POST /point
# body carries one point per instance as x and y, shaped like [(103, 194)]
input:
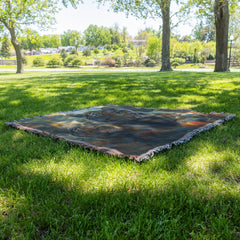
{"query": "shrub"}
[(86, 52), (96, 50), (73, 61), (118, 52), (109, 48), (126, 59), (74, 51), (138, 62), (211, 57), (115, 46), (54, 62), (150, 62), (178, 60), (175, 64), (203, 59), (97, 62), (125, 50), (68, 60), (63, 54), (109, 61), (131, 46), (119, 60), (38, 62), (105, 52), (76, 62)]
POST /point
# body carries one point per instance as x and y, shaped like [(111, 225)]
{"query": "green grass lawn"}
[(52, 190)]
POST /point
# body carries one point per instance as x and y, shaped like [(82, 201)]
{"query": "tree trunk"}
[(165, 8), (17, 48), (221, 12)]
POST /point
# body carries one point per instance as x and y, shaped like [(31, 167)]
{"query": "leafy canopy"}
[(21, 13)]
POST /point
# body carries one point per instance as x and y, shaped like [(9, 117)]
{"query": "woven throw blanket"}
[(136, 133)]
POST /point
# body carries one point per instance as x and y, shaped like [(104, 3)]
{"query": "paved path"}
[(109, 70)]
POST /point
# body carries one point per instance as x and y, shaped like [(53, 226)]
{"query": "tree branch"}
[(5, 23)]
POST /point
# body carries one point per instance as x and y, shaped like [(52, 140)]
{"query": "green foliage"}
[(178, 60), (86, 52), (109, 47), (115, 35), (236, 52), (145, 35), (192, 50), (54, 62), (74, 51), (195, 57), (154, 48), (71, 38), (31, 40), (96, 50), (5, 49), (38, 62), (150, 62), (119, 60), (97, 36), (17, 14), (205, 33), (77, 62), (124, 35), (63, 54), (73, 61), (126, 59), (73, 3), (118, 52), (138, 62), (68, 60), (105, 51), (125, 50), (97, 62), (51, 41), (234, 25), (115, 47), (140, 51), (175, 64)]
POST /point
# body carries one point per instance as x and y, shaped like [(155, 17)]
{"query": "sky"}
[(88, 13)]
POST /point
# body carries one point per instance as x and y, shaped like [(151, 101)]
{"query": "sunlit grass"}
[(52, 190)]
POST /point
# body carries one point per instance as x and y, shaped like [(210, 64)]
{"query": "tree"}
[(115, 35), (72, 38), (15, 15), (51, 41), (144, 35), (221, 10), (124, 35), (165, 9), (234, 25), (31, 41), (5, 50), (154, 48), (97, 36), (205, 32), (144, 9)]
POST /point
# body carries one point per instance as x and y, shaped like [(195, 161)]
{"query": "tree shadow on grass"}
[(110, 198), (38, 95), (42, 205)]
